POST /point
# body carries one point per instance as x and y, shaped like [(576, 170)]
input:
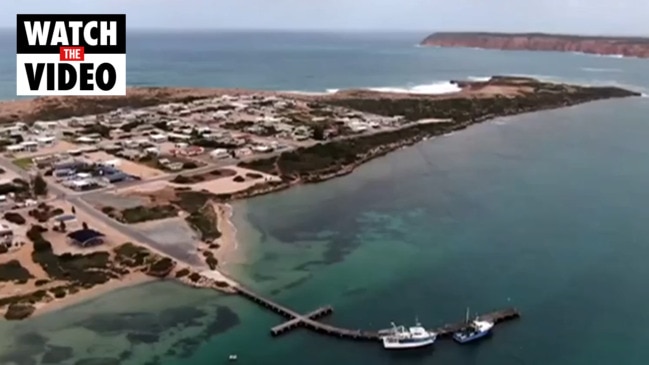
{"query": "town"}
[(145, 178)]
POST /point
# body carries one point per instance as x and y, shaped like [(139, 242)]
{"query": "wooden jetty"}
[(310, 320)]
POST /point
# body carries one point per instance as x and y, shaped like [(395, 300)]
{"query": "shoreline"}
[(133, 279), (478, 102), (229, 247)]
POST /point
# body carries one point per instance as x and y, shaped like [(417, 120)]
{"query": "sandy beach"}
[(229, 250)]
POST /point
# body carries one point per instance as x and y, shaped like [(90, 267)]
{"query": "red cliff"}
[(624, 46)]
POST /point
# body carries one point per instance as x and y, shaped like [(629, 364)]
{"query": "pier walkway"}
[(310, 320)]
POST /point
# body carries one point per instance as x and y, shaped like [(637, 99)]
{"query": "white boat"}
[(232, 357), (400, 337), (474, 330)]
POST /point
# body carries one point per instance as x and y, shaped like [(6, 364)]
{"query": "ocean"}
[(543, 211)]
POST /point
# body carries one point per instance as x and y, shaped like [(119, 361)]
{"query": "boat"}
[(474, 330), (400, 337), (232, 357)]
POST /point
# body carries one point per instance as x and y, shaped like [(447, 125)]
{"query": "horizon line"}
[(358, 30)]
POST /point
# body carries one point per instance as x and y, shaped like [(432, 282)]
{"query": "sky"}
[(612, 17)]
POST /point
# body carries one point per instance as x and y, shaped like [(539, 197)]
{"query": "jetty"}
[(310, 320)]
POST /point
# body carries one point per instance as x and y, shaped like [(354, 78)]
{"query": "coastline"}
[(426, 117), (133, 279), (612, 46)]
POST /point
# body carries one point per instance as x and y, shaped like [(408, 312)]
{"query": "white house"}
[(45, 141), (158, 138), (219, 153), (86, 139)]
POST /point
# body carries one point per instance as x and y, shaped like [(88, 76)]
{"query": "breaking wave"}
[(445, 87), (435, 88), (479, 78), (595, 69)]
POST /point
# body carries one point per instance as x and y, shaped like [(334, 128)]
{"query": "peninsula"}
[(106, 192), (600, 45)]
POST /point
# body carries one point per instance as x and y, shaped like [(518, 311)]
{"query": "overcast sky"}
[(558, 16)]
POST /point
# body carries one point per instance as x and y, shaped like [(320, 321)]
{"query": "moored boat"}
[(400, 337), (473, 330)]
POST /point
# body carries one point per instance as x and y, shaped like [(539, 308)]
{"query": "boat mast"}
[(467, 315)]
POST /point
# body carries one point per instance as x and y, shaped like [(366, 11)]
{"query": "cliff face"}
[(625, 46)]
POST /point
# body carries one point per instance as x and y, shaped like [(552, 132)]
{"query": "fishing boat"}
[(400, 337), (473, 330)]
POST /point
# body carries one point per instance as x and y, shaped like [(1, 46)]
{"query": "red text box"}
[(71, 54)]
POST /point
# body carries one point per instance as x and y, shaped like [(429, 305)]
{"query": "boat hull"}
[(471, 338), (407, 345)]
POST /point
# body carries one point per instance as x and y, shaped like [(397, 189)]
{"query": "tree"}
[(74, 211), (62, 226), (318, 132), (39, 185), (84, 225)]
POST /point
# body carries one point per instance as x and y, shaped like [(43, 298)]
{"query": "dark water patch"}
[(225, 319), (125, 355), (57, 354), (18, 358), (136, 338), (270, 256), (31, 339), (98, 361), (115, 324), (181, 317), (27, 346), (337, 249), (307, 265), (154, 361), (261, 277), (295, 283)]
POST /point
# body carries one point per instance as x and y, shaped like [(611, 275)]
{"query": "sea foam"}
[(595, 69), (434, 88)]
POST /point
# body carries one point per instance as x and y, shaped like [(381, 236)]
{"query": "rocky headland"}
[(600, 45)]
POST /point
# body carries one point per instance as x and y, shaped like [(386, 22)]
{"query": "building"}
[(158, 138), (86, 238), (81, 185), (70, 220), (6, 235), (26, 146), (219, 153), (116, 177), (45, 141)]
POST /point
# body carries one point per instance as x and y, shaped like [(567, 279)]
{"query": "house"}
[(87, 140), (83, 175), (26, 146), (86, 238), (6, 235), (178, 137), (69, 220), (111, 163), (155, 151), (116, 177), (158, 138), (219, 153), (81, 185), (261, 148), (46, 125), (15, 148), (45, 141)]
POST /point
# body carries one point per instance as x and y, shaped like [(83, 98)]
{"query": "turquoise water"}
[(543, 211)]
